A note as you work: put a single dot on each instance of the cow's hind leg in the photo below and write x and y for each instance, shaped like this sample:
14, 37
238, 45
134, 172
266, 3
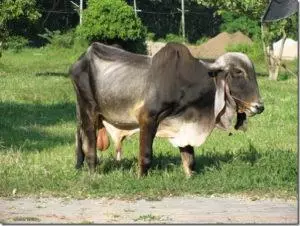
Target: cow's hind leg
119, 148
188, 159
86, 136
89, 147
79, 151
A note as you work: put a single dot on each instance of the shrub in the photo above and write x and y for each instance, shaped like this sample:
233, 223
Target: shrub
150, 36
202, 40
233, 22
58, 39
16, 43
112, 22
172, 38
254, 51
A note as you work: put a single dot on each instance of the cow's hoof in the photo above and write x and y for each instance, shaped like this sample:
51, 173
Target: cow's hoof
78, 166
142, 173
98, 161
118, 158
189, 174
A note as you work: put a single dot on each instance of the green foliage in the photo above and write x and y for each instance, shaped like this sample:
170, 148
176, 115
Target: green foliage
172, 38
20, 10
202, 40
247, 15
252, 8
16, 43
58, 39
276, 29
12, 10
109, 20
151, 36
254, 51
233, 22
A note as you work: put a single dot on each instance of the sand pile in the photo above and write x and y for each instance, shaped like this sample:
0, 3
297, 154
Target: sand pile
216, 46
154, 47
213, 48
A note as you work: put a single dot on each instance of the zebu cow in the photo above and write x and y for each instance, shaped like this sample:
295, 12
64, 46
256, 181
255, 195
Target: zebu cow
241, 65
172, 95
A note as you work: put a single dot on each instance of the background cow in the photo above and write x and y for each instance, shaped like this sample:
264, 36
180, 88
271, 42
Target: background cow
170, 94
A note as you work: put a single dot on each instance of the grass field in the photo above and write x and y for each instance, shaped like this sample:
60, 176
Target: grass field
37, 125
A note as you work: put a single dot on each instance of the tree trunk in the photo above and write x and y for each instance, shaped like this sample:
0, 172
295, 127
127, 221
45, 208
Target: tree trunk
273, 62
273, 65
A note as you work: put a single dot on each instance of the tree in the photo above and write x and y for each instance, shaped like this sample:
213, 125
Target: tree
271, 31
15, 10
112, 22
252, 8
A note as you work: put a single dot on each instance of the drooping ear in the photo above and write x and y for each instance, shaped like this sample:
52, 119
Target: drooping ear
220, 83
225, 106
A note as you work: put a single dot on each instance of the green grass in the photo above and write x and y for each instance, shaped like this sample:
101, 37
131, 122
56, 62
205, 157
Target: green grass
37, 125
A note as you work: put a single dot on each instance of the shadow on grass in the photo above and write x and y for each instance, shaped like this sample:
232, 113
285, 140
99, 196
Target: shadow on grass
49, 73
22, 125
211, 159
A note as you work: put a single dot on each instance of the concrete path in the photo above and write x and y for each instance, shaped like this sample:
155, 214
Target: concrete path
188, 209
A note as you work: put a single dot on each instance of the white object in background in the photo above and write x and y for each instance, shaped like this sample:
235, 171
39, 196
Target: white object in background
290, 49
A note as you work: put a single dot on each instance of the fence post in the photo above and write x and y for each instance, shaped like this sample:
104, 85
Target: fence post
183, 19
80, 11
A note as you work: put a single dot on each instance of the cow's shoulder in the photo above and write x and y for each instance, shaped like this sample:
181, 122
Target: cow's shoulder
112, 53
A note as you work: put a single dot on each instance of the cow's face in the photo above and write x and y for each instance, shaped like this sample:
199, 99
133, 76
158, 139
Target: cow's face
241, 80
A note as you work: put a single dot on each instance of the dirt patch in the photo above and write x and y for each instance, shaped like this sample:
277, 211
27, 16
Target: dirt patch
211, 49
216, 46
189, 209
154, 47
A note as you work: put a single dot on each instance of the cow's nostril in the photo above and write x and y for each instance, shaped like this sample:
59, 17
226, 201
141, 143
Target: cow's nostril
260, 108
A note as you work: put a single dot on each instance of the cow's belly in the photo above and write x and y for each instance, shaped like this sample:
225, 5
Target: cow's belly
183, 133
123, 118
122, 121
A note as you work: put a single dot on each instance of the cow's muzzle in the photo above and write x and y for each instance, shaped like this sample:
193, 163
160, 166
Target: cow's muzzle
249, 108
257, 108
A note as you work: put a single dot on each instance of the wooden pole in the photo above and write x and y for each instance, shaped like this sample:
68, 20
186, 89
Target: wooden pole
80, 11
134, 6
183, 19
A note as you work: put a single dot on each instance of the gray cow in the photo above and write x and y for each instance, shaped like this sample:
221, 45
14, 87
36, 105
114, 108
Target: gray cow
171, 94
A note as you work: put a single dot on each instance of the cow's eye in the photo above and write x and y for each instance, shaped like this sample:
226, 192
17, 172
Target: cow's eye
237, 72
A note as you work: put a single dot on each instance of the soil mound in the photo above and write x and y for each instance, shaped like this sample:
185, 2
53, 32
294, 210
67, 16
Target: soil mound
216, 46
211, 49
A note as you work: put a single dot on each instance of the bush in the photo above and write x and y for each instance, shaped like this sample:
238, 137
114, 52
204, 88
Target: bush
150, 36
172, 38
254, 51
112, 22
15, 43
233, 22
58, 39
202, 40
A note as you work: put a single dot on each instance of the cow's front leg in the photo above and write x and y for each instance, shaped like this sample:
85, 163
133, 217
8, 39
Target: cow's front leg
188, 159
148, 127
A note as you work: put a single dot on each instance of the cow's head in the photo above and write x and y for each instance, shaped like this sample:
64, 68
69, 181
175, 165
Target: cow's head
236, 88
